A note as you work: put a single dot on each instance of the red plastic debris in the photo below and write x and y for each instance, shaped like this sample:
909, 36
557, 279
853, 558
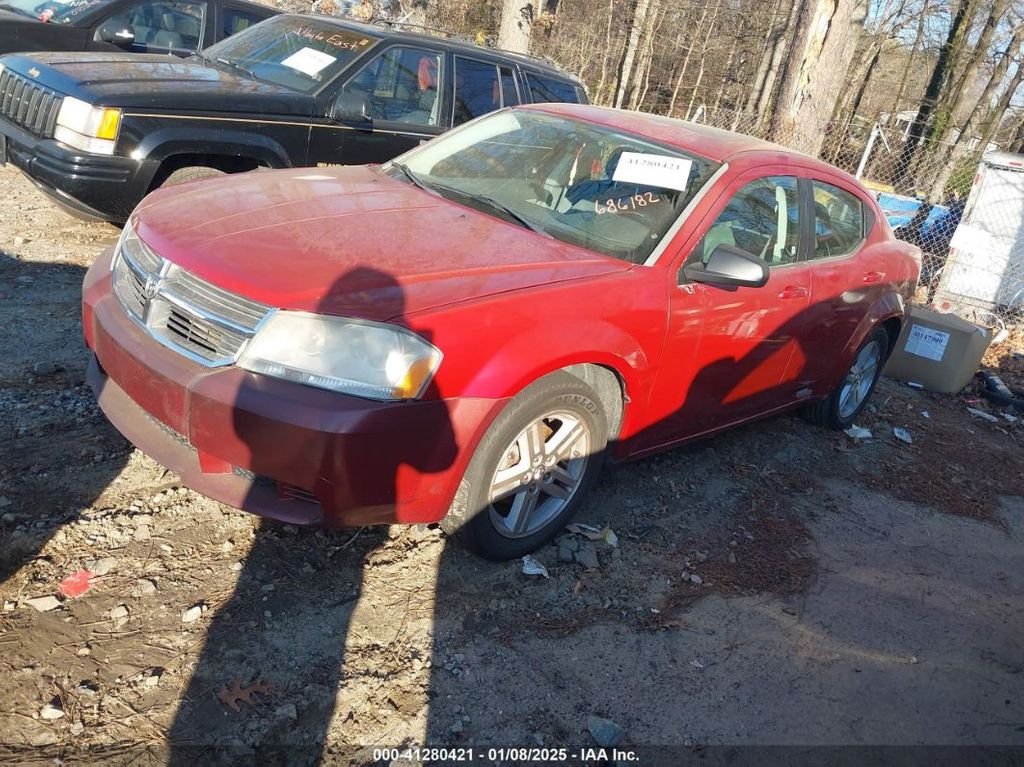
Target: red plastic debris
76, 584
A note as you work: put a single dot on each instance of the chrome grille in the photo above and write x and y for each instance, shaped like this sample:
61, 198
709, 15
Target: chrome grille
28, 104
182, 311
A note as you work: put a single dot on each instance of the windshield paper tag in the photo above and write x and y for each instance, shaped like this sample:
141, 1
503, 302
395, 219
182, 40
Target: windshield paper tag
653, 170
309, 61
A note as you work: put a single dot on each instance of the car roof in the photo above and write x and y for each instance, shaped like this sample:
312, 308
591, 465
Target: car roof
459, 46
712, 143
269, 9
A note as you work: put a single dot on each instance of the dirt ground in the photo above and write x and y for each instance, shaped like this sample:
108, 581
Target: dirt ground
777, 585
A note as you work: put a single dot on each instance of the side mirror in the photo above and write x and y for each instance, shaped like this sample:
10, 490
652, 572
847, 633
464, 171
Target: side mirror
351, 108
119, 34
729, 267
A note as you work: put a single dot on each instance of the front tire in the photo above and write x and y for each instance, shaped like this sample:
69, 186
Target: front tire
840, 409
190, 173
532, 470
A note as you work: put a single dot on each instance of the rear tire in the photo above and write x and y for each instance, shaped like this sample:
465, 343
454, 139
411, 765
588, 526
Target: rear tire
841, 407
532, 470
190, 173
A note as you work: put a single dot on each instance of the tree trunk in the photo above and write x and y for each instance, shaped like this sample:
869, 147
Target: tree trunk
637, 18
783, 42
962, 84
638, 92
918, 37
1017, 142
815, 73
599, 95
771, 36
703, 61
724, 87
686, 63
515, 28
945, 63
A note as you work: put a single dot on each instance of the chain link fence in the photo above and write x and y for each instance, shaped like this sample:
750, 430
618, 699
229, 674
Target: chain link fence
962, 205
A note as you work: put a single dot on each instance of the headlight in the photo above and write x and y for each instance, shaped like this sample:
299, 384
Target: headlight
83, 126
365, 359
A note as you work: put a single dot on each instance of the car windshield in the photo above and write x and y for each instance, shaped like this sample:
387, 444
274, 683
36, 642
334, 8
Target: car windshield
297, 52
585, 184
53, 11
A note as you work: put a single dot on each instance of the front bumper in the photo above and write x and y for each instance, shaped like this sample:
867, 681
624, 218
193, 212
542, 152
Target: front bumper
90, 186
272, 447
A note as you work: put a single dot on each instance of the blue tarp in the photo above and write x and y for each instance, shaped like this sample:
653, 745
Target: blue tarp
899, 210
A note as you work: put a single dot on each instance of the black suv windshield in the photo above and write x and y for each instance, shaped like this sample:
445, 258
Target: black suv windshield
583, 183
297, 52
54, 11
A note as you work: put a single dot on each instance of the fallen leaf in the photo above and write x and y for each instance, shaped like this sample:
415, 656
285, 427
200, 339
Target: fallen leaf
236, 693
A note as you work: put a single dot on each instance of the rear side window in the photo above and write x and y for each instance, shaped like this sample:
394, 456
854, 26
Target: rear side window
546, 89
838, 221
509, 92
477, 89
235, 20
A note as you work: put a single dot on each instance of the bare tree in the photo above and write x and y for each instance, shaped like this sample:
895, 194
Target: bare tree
945, 63
815, 71
638, 17
984, 119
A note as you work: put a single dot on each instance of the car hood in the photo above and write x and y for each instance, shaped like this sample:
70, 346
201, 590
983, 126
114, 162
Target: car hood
351, 242
159, 82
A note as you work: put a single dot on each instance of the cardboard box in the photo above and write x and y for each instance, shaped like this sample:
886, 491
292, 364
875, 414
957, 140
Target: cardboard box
941, 352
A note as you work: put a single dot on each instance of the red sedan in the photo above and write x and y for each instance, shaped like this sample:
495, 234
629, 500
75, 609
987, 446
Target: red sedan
466, 333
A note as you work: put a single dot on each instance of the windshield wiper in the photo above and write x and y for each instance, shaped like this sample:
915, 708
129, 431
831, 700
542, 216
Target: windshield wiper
498, 205
416, 180
235, 65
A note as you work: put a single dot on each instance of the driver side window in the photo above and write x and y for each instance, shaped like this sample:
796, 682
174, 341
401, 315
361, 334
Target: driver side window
401, 85
762, 218
159, 27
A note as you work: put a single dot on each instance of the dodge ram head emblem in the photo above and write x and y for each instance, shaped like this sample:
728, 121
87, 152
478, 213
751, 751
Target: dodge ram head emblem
34, 72
152, 287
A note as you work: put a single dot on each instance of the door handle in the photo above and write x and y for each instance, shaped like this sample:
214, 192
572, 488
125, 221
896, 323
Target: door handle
793, 291
873, 277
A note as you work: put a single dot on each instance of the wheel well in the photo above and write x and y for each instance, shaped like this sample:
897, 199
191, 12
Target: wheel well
892, 326
226, 163
609, 387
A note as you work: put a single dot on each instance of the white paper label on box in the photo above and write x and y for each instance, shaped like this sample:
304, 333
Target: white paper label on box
309, 61
653, 170
927, 342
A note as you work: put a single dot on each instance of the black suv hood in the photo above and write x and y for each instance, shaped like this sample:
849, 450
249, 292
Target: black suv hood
156, 81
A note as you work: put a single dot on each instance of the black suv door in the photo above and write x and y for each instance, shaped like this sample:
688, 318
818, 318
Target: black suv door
403, 88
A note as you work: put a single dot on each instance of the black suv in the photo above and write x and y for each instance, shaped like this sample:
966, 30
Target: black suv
99, 131
180, 27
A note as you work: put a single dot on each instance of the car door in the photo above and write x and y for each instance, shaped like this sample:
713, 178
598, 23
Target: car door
845, 281
403, 88
728, 350
154, 26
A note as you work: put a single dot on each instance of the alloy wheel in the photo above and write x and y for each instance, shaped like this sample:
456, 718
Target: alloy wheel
539, 473
859, 380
